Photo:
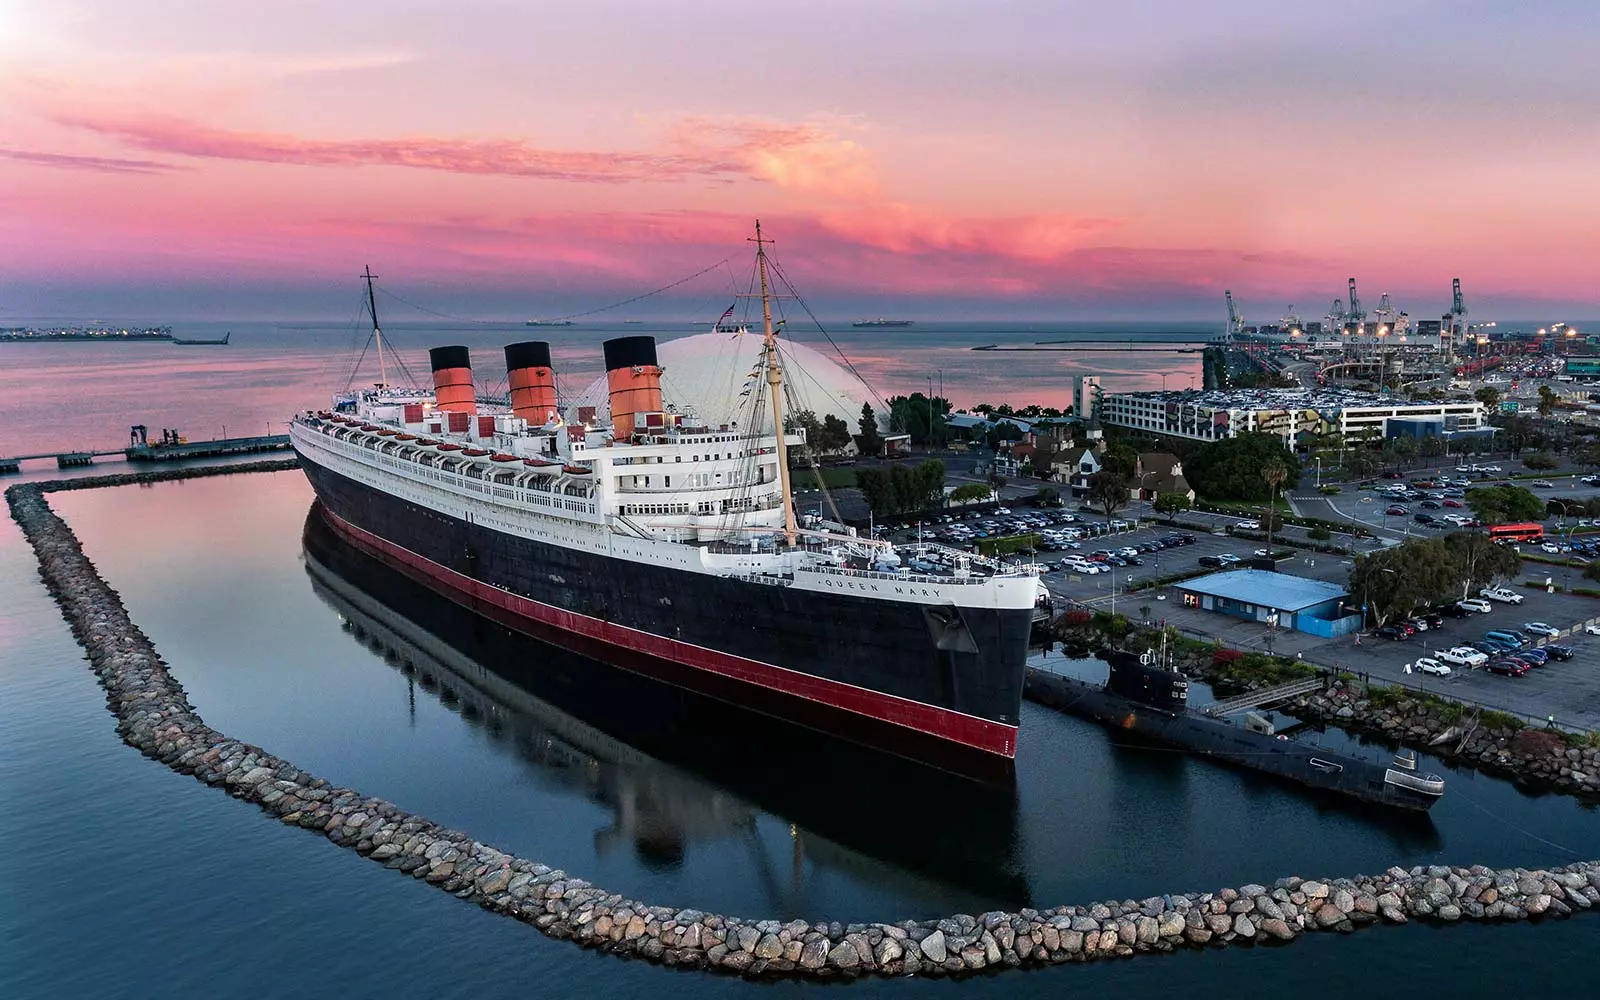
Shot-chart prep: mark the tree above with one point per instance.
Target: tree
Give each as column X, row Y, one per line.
column 834, row 435
column 920, row 416
column 1479, row 561
column 869, row 441
column 1273, row 474
column 1504, row 504
column 1489, row 396
column 1431, row 446
column 1047, row 497
column 1540, row 461
column 1120, row 457
column 1108, row 492
column 1397, row 581
column 1171, row 504
column 1230, row 469
column 1547, row 400
column 1002, row 432
column 970, row 492
column 876, row 491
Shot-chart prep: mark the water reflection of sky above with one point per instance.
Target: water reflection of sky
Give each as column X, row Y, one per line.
column 214, row 572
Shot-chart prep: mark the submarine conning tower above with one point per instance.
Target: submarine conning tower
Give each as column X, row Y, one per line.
column 1142, row 679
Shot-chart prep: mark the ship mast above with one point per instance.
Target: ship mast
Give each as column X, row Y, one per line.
column 775, row 388
column 372, row 303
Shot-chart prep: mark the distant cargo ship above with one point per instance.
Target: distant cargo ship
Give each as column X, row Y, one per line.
column 221, row 341
column 21, row 334
column 880, row 321
column 548, row 322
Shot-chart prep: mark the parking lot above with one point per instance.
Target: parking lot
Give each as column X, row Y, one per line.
column 1368, row 507
column 1569, row 691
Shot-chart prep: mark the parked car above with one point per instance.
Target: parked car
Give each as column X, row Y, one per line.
column 1462, row 656
column 1505, row 638
column 1433, row 620
column 1562, row 653
column 1484, row 607
column 1391, row 632
column 1211, row 561
column 1543, row 484
column 1428, row 665
column 1228, row 558
column 1430, row 505
column 1397, row 510
column 1453, row 611
column 1501, row 594
column 1536, row 656
column 1417, row 624
column 1540, row 628
column 1423, row 518
column 1591, row 629
column 1507, row 667
column 1248, row 525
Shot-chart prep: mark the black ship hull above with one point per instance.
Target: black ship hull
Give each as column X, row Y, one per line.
column 1315, row 767
column 663, row 751
column 868, row 670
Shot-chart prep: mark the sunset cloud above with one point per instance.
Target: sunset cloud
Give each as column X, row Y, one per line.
column 106, row 164
column 804, row 157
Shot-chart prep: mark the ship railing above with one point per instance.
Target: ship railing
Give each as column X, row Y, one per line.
column 870, row 574
column 1427, row 785
column 548, row 503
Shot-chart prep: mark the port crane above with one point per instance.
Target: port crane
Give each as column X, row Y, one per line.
column 1235, row 318
column 1355, row 315
column 1455, row 326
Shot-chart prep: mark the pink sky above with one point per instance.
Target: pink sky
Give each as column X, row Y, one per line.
column 1041, row 159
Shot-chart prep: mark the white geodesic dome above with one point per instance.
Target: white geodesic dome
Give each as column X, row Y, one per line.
column 711, row 375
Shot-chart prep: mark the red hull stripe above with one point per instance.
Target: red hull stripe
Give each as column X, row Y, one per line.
column 930, row 720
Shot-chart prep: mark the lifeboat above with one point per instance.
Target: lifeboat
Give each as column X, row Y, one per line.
column 427, row 443
column 474, row 452
column 387, row 432
column 449, row 447
column 405, row 437
column 369, row 427
column 576, row 470
column 502, row 457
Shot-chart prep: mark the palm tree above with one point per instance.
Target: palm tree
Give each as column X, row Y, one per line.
column 1274, row 473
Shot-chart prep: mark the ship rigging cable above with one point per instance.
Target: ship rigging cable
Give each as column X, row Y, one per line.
column 557, row 319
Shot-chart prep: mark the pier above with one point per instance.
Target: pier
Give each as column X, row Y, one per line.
column 217, row 448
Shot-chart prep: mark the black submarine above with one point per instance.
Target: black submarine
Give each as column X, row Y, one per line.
column 1143, row 697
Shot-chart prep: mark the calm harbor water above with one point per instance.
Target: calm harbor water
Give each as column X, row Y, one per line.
column 127, row 880
column 84, row 395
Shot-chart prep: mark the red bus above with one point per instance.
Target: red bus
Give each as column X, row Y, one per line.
column 1523, row 532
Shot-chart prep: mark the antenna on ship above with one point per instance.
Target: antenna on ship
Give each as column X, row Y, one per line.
column 372, row 303
column 775, row 385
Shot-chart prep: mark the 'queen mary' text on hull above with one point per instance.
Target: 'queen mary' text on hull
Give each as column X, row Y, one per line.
column 664, row 546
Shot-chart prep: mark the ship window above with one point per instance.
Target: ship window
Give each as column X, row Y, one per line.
column 666, row 480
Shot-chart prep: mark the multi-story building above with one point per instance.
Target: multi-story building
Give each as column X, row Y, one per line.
column 1292, row 414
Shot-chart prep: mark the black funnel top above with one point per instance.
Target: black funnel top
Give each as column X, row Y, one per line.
column 528, row 354
column 449, row 357
column 626, row 352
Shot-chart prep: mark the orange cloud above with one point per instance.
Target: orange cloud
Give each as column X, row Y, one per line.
column 804, row 157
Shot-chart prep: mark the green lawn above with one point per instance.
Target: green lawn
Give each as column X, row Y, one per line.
column 833, row 477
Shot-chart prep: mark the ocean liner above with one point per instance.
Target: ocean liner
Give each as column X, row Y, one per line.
column 647, row 539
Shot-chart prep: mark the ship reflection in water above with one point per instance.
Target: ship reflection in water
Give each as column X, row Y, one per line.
column 674, row 767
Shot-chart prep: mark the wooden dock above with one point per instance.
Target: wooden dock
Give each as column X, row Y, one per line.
column 207, row 449
column 220, row 447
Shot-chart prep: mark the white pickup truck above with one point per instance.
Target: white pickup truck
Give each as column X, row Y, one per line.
column 1461, row 656
column 1501, row 594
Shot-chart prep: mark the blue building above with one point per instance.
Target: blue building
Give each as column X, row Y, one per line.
column 1263, row 595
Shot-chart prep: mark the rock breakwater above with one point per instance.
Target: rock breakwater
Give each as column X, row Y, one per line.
column 1490, row 741
column 153, row 715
